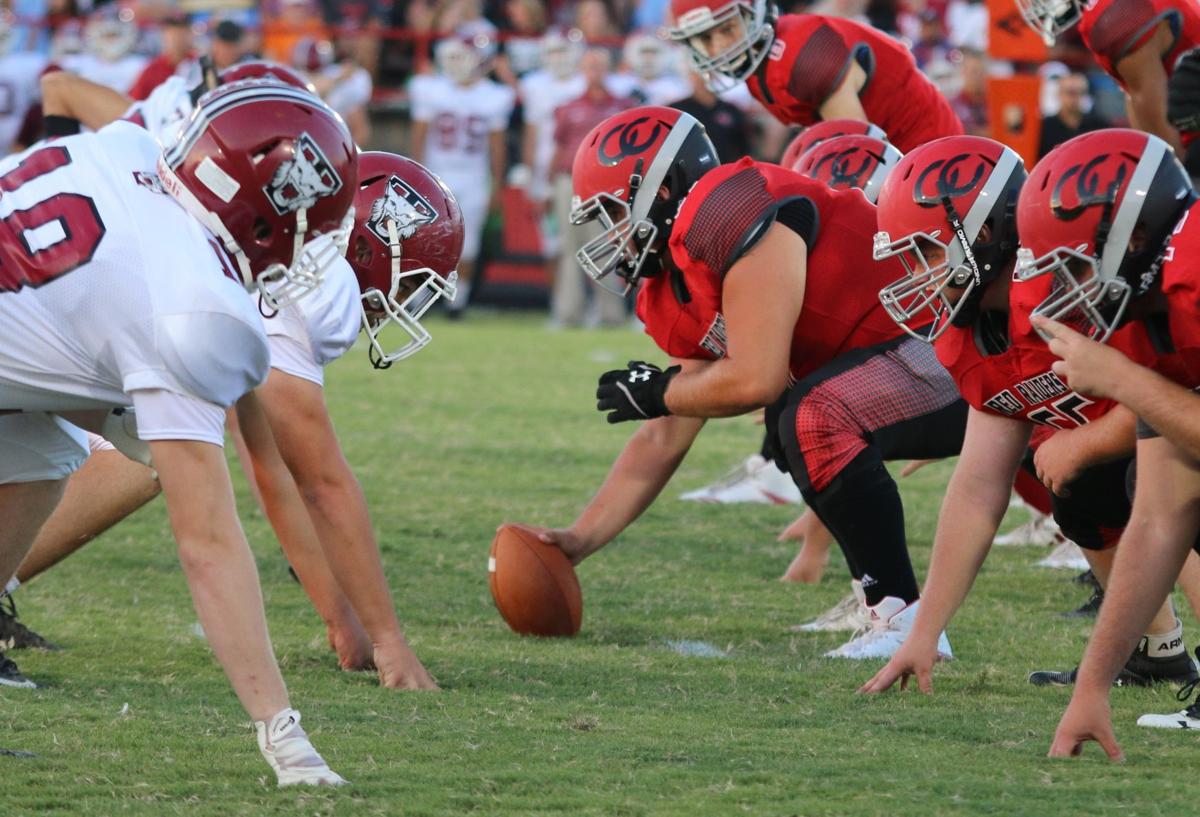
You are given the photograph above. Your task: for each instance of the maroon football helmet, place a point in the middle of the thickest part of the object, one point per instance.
(814, 135)
(265, 167)
(266, 70)
(405, 245)
(620, 171)
(1096, 215)
(932, 212)
(850, 163)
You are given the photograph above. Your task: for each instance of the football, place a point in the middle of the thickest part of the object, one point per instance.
(533, 584)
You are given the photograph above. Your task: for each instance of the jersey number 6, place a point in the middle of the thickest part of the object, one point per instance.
(51, 238)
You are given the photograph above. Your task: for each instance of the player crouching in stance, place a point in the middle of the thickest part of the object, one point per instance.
(1111, 220)
(131, 299)
(949, 212)
(752, 277)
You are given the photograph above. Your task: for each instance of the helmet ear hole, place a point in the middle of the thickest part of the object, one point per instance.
(262, 230)
(362, 250)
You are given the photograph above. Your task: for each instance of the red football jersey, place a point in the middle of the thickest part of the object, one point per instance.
(1181, 285)
(1112, 29)
(722, 212)
(809, 59)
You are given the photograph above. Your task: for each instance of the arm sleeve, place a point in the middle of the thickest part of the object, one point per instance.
(1125, 26)
(168, 415)
(819, 67)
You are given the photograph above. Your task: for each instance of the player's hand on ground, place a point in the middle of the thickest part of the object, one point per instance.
(1087, 718)
(399, 667)
(913, 659)
(1087, 367)
(637, 392)
(1058, 462)
(567, 541)
(352, 646)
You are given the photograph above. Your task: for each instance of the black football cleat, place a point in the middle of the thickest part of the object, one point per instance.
(1088, 578)
(16, 636)
(10, 676)
(1139, 671)
(1089, 608)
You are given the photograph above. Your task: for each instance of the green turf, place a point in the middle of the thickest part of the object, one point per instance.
(495, 422)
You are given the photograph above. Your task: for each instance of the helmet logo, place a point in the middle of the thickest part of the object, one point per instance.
(303, 179)
(840, 174)
(947, 185)
(1087, 187)
(403, 205)
(626, 141)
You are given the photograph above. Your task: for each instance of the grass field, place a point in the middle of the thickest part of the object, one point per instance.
(495, 422)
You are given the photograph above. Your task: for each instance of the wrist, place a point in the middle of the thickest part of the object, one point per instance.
(659, 394)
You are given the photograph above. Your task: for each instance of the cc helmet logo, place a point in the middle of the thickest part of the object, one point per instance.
(947, 185)
(1087, 186)
(626, 141)
(839, 172)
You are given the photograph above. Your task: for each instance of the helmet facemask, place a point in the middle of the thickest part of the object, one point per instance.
(1050, 18)
(753, 21)
(919, 302)
(402, 305)
(281, 286)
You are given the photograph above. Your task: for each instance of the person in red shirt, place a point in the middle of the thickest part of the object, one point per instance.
(949, 213)
(758, 283)
(1109, 229)
(176, 33)
(1137, 42)
(805, 68)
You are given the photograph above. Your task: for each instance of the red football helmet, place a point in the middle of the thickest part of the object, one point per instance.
(936, 203)
(265, 70)
(1096, 215)
(850, 163)
(265, 167)
(630, 173)
(407, 238)
(746, 29)
(814, 135)
(1050, 18)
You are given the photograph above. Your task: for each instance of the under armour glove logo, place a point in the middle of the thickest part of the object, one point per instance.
(636, 392)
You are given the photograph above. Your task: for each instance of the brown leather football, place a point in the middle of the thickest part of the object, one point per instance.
(533, 584)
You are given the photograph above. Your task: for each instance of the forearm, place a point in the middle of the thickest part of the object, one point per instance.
(1109, 438)
(721, 389)
(636, 478)
(497, 153)
(1168, 407)
(94, 105)
(1147, 112)
(416, 148)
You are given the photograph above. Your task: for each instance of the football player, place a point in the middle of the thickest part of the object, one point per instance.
(305, 485)
(459, 119)
(755, 280)
(1111, 219)
(91, 322)
(1138, 44)
(805, 68)
(949, 212)
(110, 35)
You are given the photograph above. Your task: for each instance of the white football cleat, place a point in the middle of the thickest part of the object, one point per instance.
(1188, 718)
(1067, 555)
(850, 614)
(288, 751)
(1040, 531)
(755, 479)
(891, 622)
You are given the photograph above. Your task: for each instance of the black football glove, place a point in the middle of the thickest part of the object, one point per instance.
(1183, 93)
(636, 392)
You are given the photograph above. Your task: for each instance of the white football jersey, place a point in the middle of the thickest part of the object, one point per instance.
(19, 90)
(118, 75)
(111, 294)
(351, 93)
(316, 330)
(166, 108)
(460, 121)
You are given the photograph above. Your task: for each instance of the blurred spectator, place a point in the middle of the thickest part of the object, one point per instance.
(851, 9)
(967, 24)
(228, 44)
(19, 90)
(1074, 115)
(971, 104)
(109, 36)
(557, 82)
(343, 84)
(297, 19)
(930, 44)
(652, 78)
(175, 57)
(462, 18)
(459, 119)
(726, 124)
(572, 122)
(649, 15)
(521, 49)
(594, 20)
